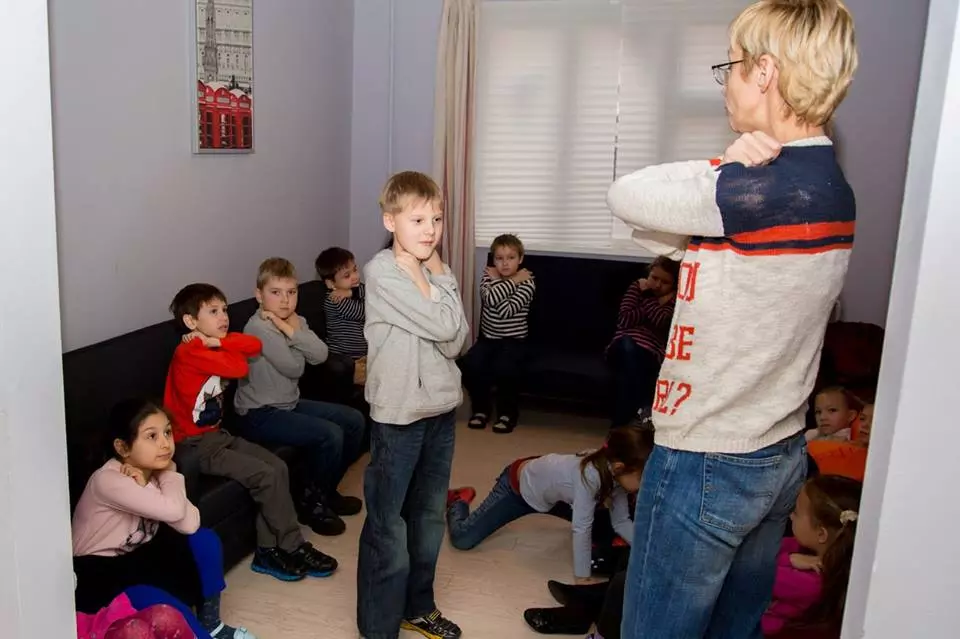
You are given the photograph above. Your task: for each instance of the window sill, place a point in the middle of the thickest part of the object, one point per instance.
(619, 250)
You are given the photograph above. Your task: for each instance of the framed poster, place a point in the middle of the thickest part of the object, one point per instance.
(222, 60)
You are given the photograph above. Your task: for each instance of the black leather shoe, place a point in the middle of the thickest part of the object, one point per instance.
(324, 521)
(556, 621)
(576, 595)
(342, 505)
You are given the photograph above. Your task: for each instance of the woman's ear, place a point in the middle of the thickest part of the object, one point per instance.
(766, 72)
(121, 448)
(617, 468)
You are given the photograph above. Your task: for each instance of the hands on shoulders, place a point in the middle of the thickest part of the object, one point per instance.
(752, 149)
(288, 326)
(209, 342)
(519, 277)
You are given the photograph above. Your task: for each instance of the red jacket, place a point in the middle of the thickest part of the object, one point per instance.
(197, 378)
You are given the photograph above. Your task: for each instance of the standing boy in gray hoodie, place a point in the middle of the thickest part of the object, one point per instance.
(415, 329)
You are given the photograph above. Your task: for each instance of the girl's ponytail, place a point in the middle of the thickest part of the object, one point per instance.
(836, 506)
(629, 446)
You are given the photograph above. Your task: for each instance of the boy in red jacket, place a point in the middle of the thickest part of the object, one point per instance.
(201, 368)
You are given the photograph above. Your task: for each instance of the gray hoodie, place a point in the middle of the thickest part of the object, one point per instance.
(413, 343)
(274, 377)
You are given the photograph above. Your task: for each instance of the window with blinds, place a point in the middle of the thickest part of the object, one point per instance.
(572, 94)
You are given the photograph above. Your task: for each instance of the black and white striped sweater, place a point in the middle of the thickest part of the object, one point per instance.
(504, 307)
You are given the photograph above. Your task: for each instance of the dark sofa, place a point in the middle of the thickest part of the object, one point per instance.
(572, 319)
(135, 364)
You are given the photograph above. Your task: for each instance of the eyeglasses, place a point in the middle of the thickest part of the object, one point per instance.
(721, 72)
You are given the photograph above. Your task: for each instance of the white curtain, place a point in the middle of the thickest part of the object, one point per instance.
(453, 142)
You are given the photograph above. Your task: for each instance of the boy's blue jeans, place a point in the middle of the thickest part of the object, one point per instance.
(405, 487)
(330, 436)
(707, 530)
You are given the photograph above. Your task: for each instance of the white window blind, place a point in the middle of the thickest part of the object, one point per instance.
(574, 93)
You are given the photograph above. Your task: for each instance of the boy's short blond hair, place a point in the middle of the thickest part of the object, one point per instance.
(275, 267)
(406, 188)
(814, 46)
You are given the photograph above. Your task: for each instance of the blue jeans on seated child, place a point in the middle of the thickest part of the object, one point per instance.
(502, 505)
(330, 436)
(405, 487)
(635, 370)
(708, 528)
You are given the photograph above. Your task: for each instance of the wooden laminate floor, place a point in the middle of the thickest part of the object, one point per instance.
(484, 590)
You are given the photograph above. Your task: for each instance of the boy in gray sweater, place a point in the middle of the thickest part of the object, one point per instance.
(272, 413)
(415, 330)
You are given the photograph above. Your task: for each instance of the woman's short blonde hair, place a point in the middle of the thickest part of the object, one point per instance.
(814, 46)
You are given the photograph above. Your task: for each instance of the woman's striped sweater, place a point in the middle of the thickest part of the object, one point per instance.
(764, 252)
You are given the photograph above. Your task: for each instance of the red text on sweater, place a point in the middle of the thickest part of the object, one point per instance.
(670, 395)
(687, 286)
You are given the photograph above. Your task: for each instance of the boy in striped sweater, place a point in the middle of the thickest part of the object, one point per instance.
(765, 234)
(343, 307)
(506, 291)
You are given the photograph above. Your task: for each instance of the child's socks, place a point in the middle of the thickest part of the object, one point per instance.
(224, 631)
(209, 615)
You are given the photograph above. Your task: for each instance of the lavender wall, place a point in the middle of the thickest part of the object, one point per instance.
(138, 215)
(394, 61)
(874, 126)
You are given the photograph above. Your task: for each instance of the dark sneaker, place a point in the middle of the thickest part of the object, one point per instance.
(465, 494)
(433, 626)
(324, 521)
(313, 562)
(278, 564)
(342, 505)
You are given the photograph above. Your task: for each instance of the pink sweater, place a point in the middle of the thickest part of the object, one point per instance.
(116, 515)
(794, 591)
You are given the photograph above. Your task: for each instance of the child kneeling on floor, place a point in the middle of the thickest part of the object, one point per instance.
(536, 485)
(134, 524)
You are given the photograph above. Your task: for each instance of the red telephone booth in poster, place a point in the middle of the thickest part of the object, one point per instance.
(206, 116)
(243, 120)
(225, 117)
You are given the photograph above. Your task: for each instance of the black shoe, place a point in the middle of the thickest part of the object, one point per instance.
(433, 626)
(556, 621)
(278, 564)
(561, 592)
(324, 521)
(314, 562)
(478, 421)
(343, 505)
(576, 595)
(504, 425)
